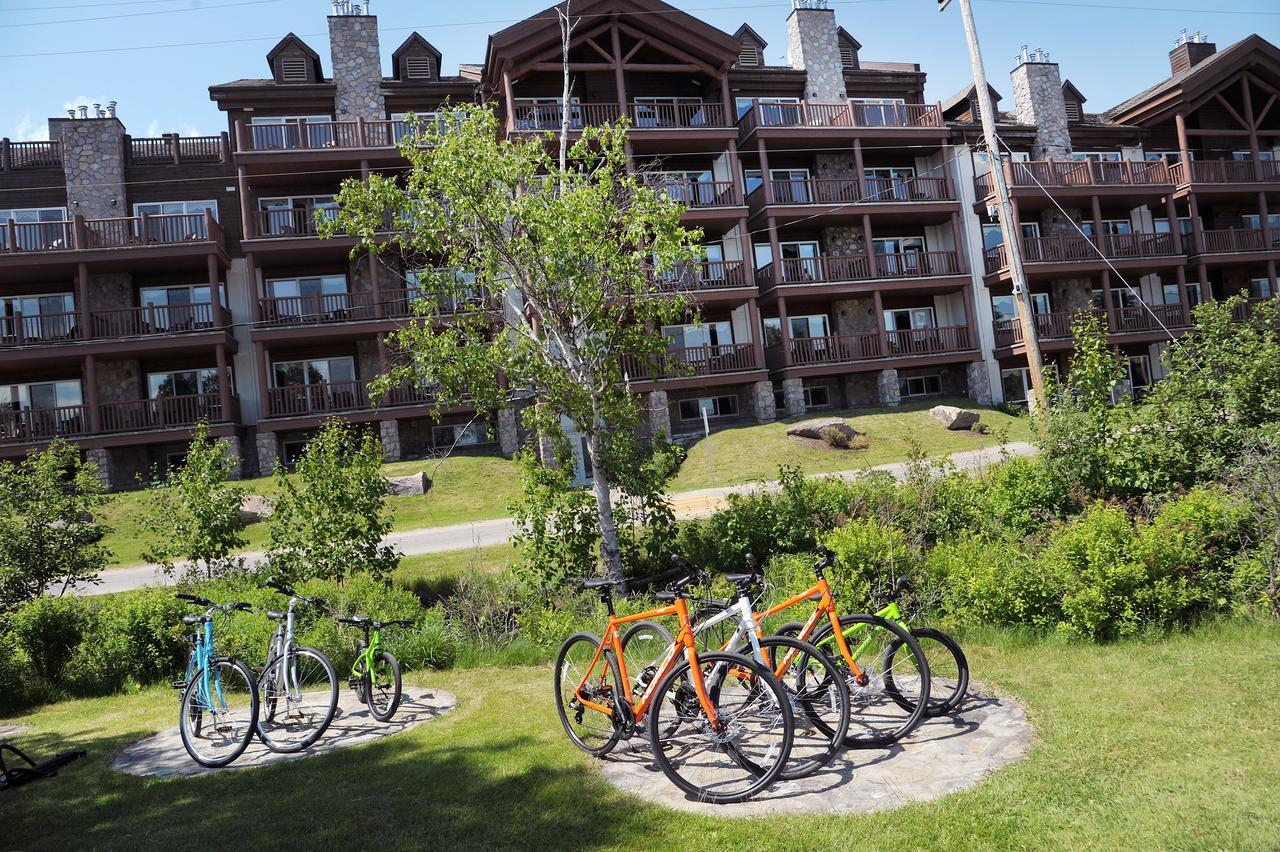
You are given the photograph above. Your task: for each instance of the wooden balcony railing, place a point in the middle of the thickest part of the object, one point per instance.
(301, 400)
(918, 264)
(120, 232)
(706, 360)
(43, 424)
(837, 348)
(159, 319)
(291, 222)
(806, 114)
(1226, 171)
(1238, 239)
(830, 267)
(29, 155)
(911, 264)
(648, 116)
(542, 116)
(705, 275)
(20, 330)
(316, 308)
(1244, 310)
(1081, 249)
(166, 412)
(919, 188)
(928, 341)
(1137, 245)
(716, 193)
(1149, 318)
(1050, 326)
(174, 149)
(402, 302)
(409, 395)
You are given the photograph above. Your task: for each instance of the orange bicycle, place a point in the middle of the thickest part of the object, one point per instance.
(720, 724)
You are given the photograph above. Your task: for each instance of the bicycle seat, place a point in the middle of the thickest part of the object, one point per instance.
(275, 615)
(194, 619)
(742, 579)
(599, 583)
(666, 597)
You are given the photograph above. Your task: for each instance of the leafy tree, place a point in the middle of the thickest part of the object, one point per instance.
(48, 534)
(195, 514)
(571, 253)
(331, 514)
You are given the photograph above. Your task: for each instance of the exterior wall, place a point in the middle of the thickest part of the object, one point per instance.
(814, 47)
(93, 165)
(357, 67)
(1037, 95)
(851, 316)
(120, 381)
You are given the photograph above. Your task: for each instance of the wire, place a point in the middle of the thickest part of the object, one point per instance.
(136, 14)
(83, 6)
(1112, 6)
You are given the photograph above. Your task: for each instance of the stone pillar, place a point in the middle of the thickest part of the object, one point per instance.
(231, 448)
(508, 432)
(102, 460)
(978, 378)
(268, 452)
(389, 431)
(813, 46)
(762, 404)
(357, 67)
(93, 163)
(887, 385)
(657, 415)
(1038, 101)
(793, 397)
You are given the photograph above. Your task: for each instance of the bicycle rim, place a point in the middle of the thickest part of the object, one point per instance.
(888, 690)
(219, 708)
(590, 729)
(305, 692)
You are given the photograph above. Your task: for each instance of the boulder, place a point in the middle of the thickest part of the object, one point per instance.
(955, 419)
(813, 428)
(85, 518)
(255, 508)
(408, 486)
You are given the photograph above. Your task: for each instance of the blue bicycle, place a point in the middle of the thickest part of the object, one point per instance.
(219, 694)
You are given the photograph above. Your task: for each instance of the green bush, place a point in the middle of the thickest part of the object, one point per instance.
(981, 580)
(16, 673)
(1024, 495)
(431, 643)
(48, 629)
(870, 555)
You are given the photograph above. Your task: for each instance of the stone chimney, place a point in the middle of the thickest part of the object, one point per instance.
(357, 66)
(813, 46)
(93, 162)
(1189, 51)
(1037, 95)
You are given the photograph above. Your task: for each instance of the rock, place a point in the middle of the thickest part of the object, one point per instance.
(85, 518)
(408, 486)
(955, 419)
(255, 508)
(813, 428)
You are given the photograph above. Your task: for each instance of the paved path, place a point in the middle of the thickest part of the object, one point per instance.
(163, 755)
(686, 504)
(942, 756)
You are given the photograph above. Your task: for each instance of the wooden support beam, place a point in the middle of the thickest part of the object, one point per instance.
(1239, 119)
(1262, 113)
(1249, 119)
(619, 76)
(591, 43)
(670, 50)
(634, 50)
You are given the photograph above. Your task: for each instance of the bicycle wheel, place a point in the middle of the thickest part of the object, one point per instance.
(305, 689)
(737, 753)
(594, 731)
(644, 645)
(819, 702)
(267, 688)
(219, 710)
(360, 681)
(948, 670)
(889, 692)
(384, 686)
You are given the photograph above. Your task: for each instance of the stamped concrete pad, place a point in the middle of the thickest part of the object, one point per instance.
(163, 754)
(944, 755)
(7, 731)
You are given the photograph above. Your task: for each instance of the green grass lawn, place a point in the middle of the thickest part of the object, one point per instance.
(747, 453)
(465, 488)
(1164, 744)
(434, 575)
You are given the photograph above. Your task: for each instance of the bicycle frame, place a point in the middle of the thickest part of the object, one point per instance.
(684, 642)
(278, 654)
(202, 654)
(371, 649)
(826, 606)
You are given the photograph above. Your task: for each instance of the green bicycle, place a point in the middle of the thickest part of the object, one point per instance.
(375, 675)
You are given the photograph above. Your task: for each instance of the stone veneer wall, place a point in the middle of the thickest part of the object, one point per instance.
(835, 166)
(357, 67)
(93, 163)
(1066, 294)
(843, 239)
(119, 381)
(860, 389)
(107, 292)
(814, 47)
(1037, 95)
(853, 316)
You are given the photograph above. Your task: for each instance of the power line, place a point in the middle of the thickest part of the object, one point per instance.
(83, 6)
(136, 14)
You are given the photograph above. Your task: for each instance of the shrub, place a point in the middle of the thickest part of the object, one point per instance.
(870, 555)
(1024, 495)
(48, 630)
(859, 442)
(835, 437)
(16, 673)
(981, 580)
(430, 644)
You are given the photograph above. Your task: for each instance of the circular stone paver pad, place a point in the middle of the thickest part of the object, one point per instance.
(944, 755)
(163, 754)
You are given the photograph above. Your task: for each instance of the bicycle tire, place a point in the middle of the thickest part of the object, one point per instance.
(610, 692)
(775, 713)
(322, 708)
(358, 669)
(870, 723)
(948, 670)
(237, 732)
(384, 713)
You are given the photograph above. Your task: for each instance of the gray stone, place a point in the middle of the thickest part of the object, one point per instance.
(955, 419)
(763, 406)
(255, 508)
(357, 67)
(815, 428)
(101, 460)
(887, 386)
(268, 446)
(793, 397)
(508, 432)
(813, 46)
(978, 379)
(93, 165)
(84, 518)
(389, 431)
(412, 485)
(163, 755)
(657, 414)
(231, 448)
(944, 755)
(1038, 101)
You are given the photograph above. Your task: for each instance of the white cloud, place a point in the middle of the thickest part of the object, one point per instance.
(28, 129)
(153, 129)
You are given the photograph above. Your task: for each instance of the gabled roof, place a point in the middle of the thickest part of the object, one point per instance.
(843, 33)
(966, 94)
(744, 32)
(1181, 89)
(292, 41)
(1069, 90)
(416, 41)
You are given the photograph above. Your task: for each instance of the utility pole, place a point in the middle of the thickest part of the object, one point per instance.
(1008, 226)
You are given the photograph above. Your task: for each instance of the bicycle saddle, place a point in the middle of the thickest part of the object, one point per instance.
(194, 619)
(275, 615)
(600, 582)
(742, 579)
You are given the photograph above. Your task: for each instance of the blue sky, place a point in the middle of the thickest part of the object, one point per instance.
(1110, 50)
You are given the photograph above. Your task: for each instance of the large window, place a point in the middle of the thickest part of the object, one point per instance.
(1139, 375)
(290, 215)
(689, 186)
(463, 435)
(313, 371)
(799, 328)
(172, 230)
(774, 112)
(50, 316)
(180, 306)
(38, 228)
(880, 112)
(906, 319)
(897, 255)
(992, 236)
(1016, 384)
(40, 396)
(890, 182)
(790, 186)
(910, 386)
(1260, 288)
(1248, 155)
(1110, 227)
(1169, 292)
(804, 252)
(546, 113)
(1254, 221)
(41, 410)
(281, 131)
(716, 406)
(1172, 156)
(668, 112)
(1097, 156)
(296, 297)
(1006, 307)
(182, 383)
(1184, 225)
(706, 334)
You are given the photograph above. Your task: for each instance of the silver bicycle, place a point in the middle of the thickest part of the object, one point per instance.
(298, 686)
(813, 684)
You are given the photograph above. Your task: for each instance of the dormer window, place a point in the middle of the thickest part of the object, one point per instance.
(416, 60)
(751, 51)
(292, 61)
(847, 56)
(1073, 110)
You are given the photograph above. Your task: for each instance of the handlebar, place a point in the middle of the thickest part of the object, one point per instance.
(286, 589)
(194, 599)
(828, 560)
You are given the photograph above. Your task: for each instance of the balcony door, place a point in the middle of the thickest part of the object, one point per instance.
(183, 220)
(288, 216)
(799, 259)
(546, 113)
(315, 297)
(777, 112)
(41, 410)
(267, 132)
(315, 384)
(898, 255)
(38, 228)
(668, 112)
(50, 316)
(179, 308)
(879, 112)
(184, 396)
(690, 187)
(891, 183)
(1006, 307)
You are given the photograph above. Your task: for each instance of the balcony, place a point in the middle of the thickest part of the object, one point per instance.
(1082, 250)
(324, 398)
(316, 308)
(859, 267)
(694, 362)
(1226, 172)
(172, 149)
(704, 195)
(810, 192)
(290, 222)
(80, 234)
(1141, 318)
(1067, 174)
(705, 276)
(32, 425)
(1238, 240)
(401, 303)
(869, 346)
(1049, 326)
(1244, 310)
(166, 412)
(17, 156)
(531, 116)
(38, 329)
(52, 328)
(347, 135)
(874, 118)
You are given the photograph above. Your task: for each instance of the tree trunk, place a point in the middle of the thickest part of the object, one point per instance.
(609, 551)
(566, 29)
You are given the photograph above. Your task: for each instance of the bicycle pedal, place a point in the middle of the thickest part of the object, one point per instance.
(178, 684)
